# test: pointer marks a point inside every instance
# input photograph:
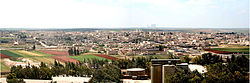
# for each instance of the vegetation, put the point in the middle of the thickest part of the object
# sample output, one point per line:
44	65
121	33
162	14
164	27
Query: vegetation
4	68
6	52
229	71
45	72
73	51
7	38
234	70
234	49
101	70
139	62
206	59
41	53
11	78
184	76
107	74
87	57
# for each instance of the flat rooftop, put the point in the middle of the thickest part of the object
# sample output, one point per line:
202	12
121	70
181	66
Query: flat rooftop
164	60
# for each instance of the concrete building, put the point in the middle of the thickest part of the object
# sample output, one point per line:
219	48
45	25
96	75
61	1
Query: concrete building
162	67
134	74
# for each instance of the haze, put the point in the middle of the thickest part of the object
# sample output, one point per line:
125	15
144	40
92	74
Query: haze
124	13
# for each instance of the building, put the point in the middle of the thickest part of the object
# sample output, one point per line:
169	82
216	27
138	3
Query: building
70	79
161	67
134	74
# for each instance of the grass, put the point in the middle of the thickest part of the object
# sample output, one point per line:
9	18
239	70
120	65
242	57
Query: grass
7	37
11	54
19	53
4	68
84	57
16	59
25	54
234	49
41	53
47	60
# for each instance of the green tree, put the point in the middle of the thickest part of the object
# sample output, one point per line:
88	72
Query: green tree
34	47
11	78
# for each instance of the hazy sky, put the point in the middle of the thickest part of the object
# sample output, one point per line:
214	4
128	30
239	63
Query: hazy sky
124	13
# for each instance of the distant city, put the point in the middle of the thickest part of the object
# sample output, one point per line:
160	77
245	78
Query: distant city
130	55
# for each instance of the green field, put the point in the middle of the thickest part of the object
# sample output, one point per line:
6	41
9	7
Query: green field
85	57
234	49
7	37
4	68
11	54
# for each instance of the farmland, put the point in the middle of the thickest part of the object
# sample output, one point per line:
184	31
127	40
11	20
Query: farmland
4	68
55	52
106	56
7	37
64	59
17	55
87	57
237	49
47	60
4	56
11	54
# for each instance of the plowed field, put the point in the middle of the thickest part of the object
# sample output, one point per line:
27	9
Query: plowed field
4	56
64	59
106	56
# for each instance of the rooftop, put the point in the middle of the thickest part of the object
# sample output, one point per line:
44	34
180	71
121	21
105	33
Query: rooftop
135	69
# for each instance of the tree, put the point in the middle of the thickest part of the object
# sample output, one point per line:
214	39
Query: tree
70	51
34	47
42	64
161	48
11	78
185	59
75	51
108	73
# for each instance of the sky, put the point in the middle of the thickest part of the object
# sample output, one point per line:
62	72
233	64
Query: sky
124	13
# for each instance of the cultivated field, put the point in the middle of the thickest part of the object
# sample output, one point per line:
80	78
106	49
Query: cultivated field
106	56
30	53
4	56
4	68
36	56
64	59
55	52
240	50
47	60
87	57
236	49
11	54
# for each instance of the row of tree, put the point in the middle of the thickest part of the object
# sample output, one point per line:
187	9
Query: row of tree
73	51
101	70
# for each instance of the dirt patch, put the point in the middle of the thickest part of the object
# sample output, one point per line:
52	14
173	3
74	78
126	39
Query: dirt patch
106	56
4	56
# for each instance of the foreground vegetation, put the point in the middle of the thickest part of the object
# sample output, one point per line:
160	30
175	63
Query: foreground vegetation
234	70
230	71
